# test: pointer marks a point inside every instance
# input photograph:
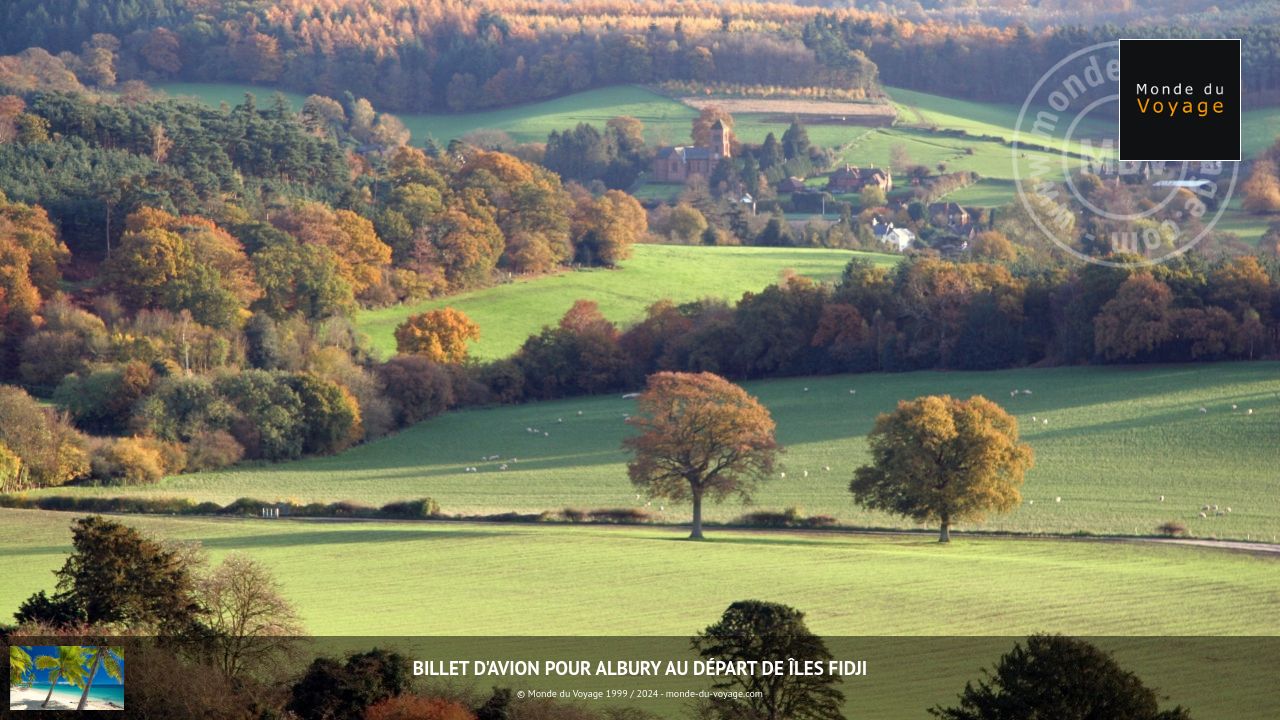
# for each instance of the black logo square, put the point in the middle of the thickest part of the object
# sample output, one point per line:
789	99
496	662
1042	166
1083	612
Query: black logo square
1180	100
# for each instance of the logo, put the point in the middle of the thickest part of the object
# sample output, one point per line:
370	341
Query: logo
1077	191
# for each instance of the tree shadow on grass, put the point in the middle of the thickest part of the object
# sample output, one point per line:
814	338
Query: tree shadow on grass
341	537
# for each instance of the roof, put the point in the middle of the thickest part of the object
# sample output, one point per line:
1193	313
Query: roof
686	153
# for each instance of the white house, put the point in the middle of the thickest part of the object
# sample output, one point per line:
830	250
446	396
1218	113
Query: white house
899	238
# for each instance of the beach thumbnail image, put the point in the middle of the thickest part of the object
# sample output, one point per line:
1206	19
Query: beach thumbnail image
66	677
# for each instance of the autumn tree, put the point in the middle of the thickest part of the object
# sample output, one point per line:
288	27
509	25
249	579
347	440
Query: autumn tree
1137	321
606	227
418	707
992	245
439	335
763	631
1262	190
940	459
1051	676
700	436
362	258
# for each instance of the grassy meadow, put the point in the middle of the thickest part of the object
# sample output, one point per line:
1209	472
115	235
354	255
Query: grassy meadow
510	313
1109	442
473	579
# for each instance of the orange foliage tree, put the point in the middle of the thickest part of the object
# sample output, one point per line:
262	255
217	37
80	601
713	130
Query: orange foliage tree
440	335
941	459
700	436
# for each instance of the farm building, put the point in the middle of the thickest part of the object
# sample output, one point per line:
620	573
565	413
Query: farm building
853	179
678	164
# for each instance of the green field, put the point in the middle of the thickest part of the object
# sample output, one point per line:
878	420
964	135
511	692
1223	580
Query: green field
462	579
510	313
1117	439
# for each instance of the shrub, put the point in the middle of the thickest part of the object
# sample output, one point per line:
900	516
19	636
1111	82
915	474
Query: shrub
421	508
1173	528
417	707
52	452
212	450
789	518
620	515
126	461
574	514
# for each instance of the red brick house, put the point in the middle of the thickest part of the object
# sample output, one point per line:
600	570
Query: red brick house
852	179
678	164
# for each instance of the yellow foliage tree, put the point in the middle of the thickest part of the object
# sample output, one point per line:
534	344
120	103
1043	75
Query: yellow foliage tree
440	335
941	459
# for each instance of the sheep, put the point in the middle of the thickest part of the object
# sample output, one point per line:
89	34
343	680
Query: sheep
1204	507
1203	515
1057	499
1234	406
662	508
503	466
1013	393
806	389
853	392
1219	513
1031	502
1215	508
1161	498
804	473
1249	411
782	475
1045	421
1026	392
579	413
1033	419
1204	410
826	468
1228	508
559	419
515	460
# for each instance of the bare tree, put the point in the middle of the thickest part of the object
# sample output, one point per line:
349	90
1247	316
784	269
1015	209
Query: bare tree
253	626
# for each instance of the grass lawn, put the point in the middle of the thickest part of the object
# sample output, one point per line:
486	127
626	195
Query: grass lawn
1116	440
508	314
462	579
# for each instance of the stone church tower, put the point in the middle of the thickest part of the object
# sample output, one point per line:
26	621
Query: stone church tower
721	139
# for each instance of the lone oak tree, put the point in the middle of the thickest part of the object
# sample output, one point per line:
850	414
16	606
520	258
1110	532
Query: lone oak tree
937	458
701	435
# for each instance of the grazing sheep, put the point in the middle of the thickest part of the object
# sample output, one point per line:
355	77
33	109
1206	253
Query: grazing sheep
1203	515
1026	392
1013	393
662	508
1219	513
806	389
804	473
1204	507
1057	499
1215	508
579	412
1234	406
1249	411
826	468
1161	498
1031	502
503	466
782	474
1228	509
1033	419
1204	410
1046	421
559	419
853	392
546	434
